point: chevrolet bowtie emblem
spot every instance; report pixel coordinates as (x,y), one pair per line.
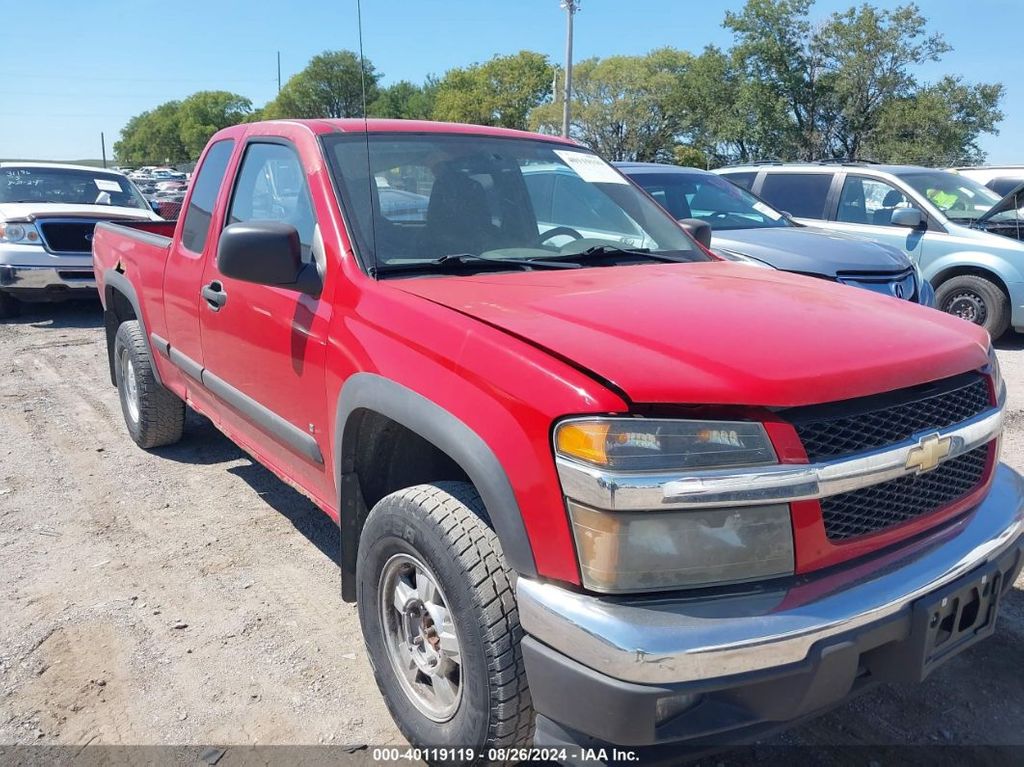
(929,452)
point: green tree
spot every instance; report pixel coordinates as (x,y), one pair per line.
(405,100)
(331,85)
(624,107)
(869,54)
(938,126)
(152,137)
(204,113)
(499,92)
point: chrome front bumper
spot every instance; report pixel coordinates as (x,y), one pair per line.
(664,640)
(46,278)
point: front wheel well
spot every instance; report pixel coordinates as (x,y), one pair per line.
(381,456)
(118,310)
(977,271)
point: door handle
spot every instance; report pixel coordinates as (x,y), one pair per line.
(214,295)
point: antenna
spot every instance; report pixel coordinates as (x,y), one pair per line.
(366,136)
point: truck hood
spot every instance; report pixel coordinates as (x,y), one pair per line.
(18,211)
(812,251)
(717,332)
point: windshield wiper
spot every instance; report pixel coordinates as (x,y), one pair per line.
(455,262)
(610,251)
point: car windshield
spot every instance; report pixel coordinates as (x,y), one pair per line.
(67,185)
(412,200)
(709,198)
(958,197)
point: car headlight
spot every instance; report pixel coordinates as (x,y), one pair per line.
(20,233)
(925,291)
(993,370)
(657,549)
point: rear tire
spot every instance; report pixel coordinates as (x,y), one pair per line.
(429,549)
(9,306)
(154,416)
(975,299)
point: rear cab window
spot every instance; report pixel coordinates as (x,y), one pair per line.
(802,195)
(196,226)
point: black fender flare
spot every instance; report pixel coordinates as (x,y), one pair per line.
(115,281)
(368,391)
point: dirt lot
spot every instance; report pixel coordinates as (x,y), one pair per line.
(189,597)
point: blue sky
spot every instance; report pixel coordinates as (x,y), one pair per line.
(73,68)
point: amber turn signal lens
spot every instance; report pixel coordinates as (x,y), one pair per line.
(586,440)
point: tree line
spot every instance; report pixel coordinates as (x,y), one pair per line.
(788,88)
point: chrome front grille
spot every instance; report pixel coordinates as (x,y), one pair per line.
(901,285)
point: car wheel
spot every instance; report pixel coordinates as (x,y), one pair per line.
(9,306)
(439,619)
(976,300)
(154,416)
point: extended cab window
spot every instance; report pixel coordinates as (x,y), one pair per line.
(271,186)
(800,194)
(204,194)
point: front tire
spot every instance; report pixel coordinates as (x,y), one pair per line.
(439,619)
(976,300)
(154,416)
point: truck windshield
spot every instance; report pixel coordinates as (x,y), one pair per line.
(711,199)
(414,202)
(70,186)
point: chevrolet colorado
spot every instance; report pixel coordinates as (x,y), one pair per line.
(591,489)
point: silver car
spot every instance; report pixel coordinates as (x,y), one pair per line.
(964,236)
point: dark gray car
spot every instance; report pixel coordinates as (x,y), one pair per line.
(745,228)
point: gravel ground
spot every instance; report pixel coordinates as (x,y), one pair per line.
(189,597)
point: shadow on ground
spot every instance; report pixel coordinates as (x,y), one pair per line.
(84,313)
(203,444)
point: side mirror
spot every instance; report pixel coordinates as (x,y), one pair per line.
(909,217)
(266,253)
(699,230)
(155,206)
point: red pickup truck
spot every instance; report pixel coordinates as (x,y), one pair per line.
(594,484)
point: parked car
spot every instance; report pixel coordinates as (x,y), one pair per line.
(961,234)
(747,229)
(1000,179)
(47,215)
(588,493)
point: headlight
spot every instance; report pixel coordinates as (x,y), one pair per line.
(23,233)
(992,369)
(660,550)
(624,551)
(925,291)
(653,444)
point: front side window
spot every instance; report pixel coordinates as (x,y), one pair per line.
(271,186)
(711,199)
(411,199)
(70,186)
(869,201)
(800,194)
(205,186)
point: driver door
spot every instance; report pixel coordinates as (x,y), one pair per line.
(265,345)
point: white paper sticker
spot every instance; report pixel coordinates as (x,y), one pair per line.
(764,210)
(107,185)
(590,167)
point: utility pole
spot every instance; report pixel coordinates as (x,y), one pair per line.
(570,7)
(103,149)
(279,71)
